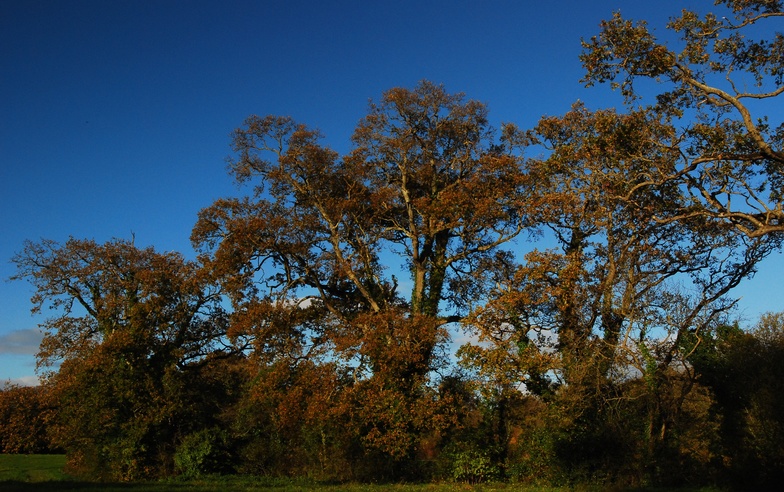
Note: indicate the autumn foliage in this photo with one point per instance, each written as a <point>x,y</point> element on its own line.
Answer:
<point>448,300</point>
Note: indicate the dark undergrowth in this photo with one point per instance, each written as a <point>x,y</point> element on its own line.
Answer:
<point>32,473</point>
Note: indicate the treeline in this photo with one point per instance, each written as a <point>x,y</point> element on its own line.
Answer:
<point>587,265</point>
<point>720,422</point>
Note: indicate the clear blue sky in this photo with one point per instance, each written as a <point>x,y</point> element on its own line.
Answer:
<point>115,115</point>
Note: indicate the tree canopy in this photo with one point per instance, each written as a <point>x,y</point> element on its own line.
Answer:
<point>715,83</point>
<point>309,260</point>
<point>448,299</point>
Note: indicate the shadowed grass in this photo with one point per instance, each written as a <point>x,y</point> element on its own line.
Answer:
<point>32,467</point>
<point>33,473</point>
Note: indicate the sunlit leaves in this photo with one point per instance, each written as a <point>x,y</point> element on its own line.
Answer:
<point>129,324</point>
<point>711,82</point>
<point>26,416</point>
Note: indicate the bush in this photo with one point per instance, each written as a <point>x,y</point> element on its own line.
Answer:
<point>201,452</point>
<point>474,467</point>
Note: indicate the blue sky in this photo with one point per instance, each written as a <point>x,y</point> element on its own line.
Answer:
<point>115,115</point>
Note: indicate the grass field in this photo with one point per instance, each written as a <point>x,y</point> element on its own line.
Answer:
<point>28,473</point>
<point>32,467</point>
<point>44,473</point>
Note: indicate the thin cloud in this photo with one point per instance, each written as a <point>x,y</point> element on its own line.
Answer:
<point>21,342</point>
<point>22,381</point>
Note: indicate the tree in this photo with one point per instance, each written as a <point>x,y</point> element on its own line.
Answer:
<point>743,369</point>
<point>131,324</point>
<point>308,259</point>
<point>608,294</point>
<point>605,287</point>
<point>719,84</point>
<point>26,414</point>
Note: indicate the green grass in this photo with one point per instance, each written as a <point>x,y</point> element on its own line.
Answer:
<point>33,473</point>
<point>32,467</point>
<point>29,473</point>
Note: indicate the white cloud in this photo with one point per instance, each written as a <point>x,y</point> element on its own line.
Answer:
<point>21,342</point>
<point>22,381</point>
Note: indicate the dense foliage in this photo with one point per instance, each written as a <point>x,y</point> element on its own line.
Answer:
<point>589,262</point>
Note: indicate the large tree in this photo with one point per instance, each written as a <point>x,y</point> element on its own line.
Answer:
<point>130,327</point>
<point>618,291</point>
<point>717,78</point>
<point>312,259</point>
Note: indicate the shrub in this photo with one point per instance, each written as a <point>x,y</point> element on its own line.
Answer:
<point>201,452</point>
<point>474,467</point>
